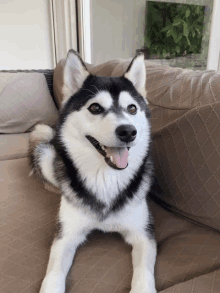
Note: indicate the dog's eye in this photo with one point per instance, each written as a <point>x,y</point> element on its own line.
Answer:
<point>132,109</point>
<point>95,108</point>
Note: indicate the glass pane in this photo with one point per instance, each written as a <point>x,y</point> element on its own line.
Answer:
<point>177,32</point>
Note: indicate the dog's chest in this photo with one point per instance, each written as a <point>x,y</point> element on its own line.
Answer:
<point>133,216</point>
<point>107,186</point>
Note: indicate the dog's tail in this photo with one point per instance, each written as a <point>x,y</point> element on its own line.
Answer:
<point>41,155</point>
<point>41,133</point>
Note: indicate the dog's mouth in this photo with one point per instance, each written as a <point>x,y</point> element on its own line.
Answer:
<point>115,157</point>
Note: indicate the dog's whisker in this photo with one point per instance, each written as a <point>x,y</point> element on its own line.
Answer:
<point>90,96</point>
<point>95,88</point>
<point>89,91</point>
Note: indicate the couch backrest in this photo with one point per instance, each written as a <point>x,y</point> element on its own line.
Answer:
<point>48,73</point>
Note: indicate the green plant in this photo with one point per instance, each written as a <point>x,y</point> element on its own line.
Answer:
<point>174,29</point>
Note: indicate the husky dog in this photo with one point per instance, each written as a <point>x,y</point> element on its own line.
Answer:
<point>99,158</point>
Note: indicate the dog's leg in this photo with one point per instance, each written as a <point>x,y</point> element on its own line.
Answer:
<point>143,259</point>
<point>73,232</point>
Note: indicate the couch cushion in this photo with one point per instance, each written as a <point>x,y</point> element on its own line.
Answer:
<point>208,283</point>
<point>13,146</point>
<point>185,251</point>
<point>25,101</point>
<point>103,264</point>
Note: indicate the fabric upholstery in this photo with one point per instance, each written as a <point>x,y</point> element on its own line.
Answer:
<point>48,73</point>
<point>25,101</point>
<point>13,146</point>
<point>186,140</point>
<point>185,251</point>
<point>208,283</point>
<point>58,82</point>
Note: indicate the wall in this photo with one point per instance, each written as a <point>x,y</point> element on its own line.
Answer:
<point>117,28</point>
<point>25,35</point>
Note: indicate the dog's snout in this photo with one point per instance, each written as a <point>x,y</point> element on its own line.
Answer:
<point>126,132</point>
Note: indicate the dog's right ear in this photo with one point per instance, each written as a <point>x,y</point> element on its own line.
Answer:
<point>136,73</point>
<point>74,75</point>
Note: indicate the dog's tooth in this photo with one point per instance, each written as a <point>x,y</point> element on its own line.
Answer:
<point>103,148</point>
<point>111,158</point>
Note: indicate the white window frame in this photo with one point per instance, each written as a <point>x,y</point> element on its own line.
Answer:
<point>213,62</point>
<point>64,16</point>
<point>64,27</point>
<point>84,23</point>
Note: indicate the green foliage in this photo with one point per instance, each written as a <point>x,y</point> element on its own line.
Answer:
<point>174,29</point>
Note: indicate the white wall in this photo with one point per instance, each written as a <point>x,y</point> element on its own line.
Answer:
<point>117,28</point>
<point>25,35</point>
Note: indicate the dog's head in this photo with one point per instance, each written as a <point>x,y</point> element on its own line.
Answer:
<point>109,114</point>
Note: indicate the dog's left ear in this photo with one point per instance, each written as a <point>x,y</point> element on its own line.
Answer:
<point>136,73</point>
<point>74,75</point>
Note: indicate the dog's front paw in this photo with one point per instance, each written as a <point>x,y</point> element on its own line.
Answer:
<point>143,282</point>
<point>143,290</point>
<point>53,283</point>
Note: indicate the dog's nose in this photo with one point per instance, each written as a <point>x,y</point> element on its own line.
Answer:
<point>126,132</point>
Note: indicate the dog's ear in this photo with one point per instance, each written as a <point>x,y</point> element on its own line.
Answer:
<point>74,75</point>
<point>136,73</point>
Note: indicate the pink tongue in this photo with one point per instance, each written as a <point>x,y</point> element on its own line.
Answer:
<point>119,155</point>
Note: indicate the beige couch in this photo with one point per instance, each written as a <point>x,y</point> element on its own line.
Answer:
<point>185,109</point>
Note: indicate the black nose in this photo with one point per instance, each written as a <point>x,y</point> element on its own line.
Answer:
<point>126,132</point>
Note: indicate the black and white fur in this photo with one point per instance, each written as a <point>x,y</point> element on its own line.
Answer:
<point>94,194</point>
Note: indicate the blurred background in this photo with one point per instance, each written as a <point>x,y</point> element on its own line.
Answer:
<point>179,33</point>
